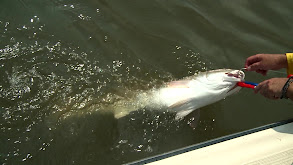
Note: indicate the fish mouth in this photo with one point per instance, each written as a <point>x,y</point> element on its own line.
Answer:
<point>238,74</point>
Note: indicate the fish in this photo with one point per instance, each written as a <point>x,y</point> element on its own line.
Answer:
<point>191,93</point>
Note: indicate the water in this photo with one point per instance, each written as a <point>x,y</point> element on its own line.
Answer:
<point>68,67</point>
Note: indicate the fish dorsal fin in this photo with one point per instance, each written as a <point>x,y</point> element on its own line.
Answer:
<point>179,84</point>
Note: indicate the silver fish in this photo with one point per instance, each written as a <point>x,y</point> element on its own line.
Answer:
<point>189,94</point>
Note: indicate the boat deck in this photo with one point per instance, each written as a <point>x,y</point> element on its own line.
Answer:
<point>270,144</point>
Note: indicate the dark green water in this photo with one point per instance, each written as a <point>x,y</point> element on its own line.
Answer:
<point>68,66</point>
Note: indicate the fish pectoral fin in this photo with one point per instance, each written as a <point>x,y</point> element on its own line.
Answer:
<point>179,104</point>
<point>183,108</point>
<point>180,115</point>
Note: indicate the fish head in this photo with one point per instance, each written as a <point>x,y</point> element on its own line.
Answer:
<point>225,81</point>
<point>231,79</point>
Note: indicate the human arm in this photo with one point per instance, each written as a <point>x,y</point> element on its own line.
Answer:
<point>272,88</point>
<point>261,63</point>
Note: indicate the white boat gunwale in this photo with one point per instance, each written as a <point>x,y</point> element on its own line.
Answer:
<point>209,143</point>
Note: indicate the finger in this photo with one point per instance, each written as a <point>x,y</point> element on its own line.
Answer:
<point>258,87</point>
<point>272,97</point>
<point>252,59</point>
<point>261,87</point>
<point>264,90</point>
<point>265,93</point>
<point>275,97</point>
<point>255,66</point>
<point>263,72</point>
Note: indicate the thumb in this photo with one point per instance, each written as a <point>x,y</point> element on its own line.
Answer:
<point>257,88</point>
<point>254,67</point>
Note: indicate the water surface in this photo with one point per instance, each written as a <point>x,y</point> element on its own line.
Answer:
<point>69,67</point>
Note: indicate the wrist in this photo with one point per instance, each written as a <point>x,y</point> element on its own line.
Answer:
<point>287,89</point>
<point>290,92</point>
<point>283,61</point>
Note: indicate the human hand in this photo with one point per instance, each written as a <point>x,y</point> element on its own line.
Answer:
<point>271,88</point>
<point>261,63</point>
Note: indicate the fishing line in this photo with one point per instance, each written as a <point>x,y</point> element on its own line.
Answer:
<point>240,70</point>
<point>268,71</point>
<point>277,72</point>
